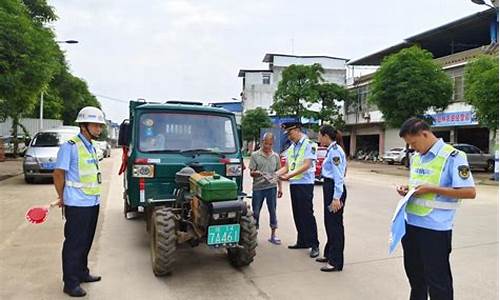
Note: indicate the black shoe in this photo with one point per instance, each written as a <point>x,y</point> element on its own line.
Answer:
<point>91,278</point>
<point>297,246</point>
<point>75,292</point>
<point>314,252</point>
<point>329,268</point>
<point>322,259</point>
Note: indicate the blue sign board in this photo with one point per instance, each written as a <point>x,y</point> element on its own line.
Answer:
<point>458,118</point>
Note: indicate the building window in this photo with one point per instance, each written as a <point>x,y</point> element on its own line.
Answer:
<point>458,88</point>
<point>266,78</point>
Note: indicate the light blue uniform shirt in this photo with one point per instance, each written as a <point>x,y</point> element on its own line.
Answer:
<point>67,160</point>
<point>310,153</point>
<point>442,219</point>
<point>334,168</point>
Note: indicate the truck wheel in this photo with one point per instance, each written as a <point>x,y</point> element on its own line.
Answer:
<point>29,179</point>
<point>248,240</point>
<point>491,166</point>
<point>162,241</point>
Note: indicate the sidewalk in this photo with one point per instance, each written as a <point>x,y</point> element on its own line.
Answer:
<point>480,177</point>
<point>11,167</point>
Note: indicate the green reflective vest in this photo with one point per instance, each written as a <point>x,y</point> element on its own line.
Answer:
<point>428,173</point>
<point>88,170</point>
<point>296,160</point>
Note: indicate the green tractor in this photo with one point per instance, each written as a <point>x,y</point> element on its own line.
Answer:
<point>183,172</point>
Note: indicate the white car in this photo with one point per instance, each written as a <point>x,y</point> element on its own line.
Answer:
<point>41,156</point>
<point>396,155</point>
<point>8,146</point>
<point>104,146</point>
<point>100,153</point>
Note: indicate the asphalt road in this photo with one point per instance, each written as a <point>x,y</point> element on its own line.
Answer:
<point>30,262</point>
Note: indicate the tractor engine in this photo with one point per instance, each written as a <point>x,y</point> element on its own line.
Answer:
<point>207,199</point>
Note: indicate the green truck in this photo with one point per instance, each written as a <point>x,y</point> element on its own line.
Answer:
<point>183,173</point>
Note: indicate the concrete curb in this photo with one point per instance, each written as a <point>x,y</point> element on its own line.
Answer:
<point>5,177</point>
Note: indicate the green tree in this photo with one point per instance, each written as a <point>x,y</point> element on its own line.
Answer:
<point>65,94</point>
<point>64,97</point>
<point>27,62</point>
<point>302,92</point>
<point>251,123</point>
<point>407,84</point>
<point>39,11</point>
<point>330,96</point>
<point>481,89</point>
<point>75,94</point>
<point>297,90</point>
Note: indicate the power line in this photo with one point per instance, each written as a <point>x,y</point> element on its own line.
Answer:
<point>111,98</point>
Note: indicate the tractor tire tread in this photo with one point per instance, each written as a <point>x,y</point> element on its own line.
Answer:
<point>164,224</point>
<point>240,257</point>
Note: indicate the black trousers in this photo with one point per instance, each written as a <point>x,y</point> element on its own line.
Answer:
<point>303,214</point>
<point>334,225</point>
<point>79,231</point>
<point>427,263</point>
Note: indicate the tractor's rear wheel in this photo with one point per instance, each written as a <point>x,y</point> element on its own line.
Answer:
<point>162,241</point>
<point>248,241</point>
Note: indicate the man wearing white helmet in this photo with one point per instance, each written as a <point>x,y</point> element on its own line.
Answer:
<point>77,180</point>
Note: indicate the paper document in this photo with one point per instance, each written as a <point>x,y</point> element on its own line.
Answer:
<point>398,225</point>
<point>270,177</point>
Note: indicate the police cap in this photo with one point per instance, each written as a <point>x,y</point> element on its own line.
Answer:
<point>290,125</point>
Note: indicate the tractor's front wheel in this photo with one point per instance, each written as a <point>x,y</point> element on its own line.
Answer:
<point>245,254</point>
<point>162,240</point>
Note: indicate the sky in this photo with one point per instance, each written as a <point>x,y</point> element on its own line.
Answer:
<point>162,50</point>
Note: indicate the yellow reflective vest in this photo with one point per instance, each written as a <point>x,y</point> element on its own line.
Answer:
<point>430,173</point>
<point>88,170</point>
<point>296,160</point>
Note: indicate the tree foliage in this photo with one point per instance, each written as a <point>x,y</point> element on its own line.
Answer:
<point>40,11</point>
<point>297,90</point>
<point>330,95</point>
<point>302,92</point>
<point>481,89</point>
<point>252,121</point>
<point>31,62</point>
<point>27,61</point>
<point>407,84</point>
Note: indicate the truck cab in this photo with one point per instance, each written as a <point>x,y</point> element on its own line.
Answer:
<point>164,138</point>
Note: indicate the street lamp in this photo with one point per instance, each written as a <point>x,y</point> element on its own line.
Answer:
<point>493,24</point>
<point>41,94</point>
<point>67,42</point>
<point>481,2</point>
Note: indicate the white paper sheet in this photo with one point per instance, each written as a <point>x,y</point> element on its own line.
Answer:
<point>403,202</point>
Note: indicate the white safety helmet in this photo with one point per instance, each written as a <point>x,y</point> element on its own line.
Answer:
<point>90,114</point>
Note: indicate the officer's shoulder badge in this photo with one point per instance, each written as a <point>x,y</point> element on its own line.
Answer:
<point>454,153</point>
<point>336,160</point>
<point>464,171</point>
<point>314,146</point>
<point>71,142</point>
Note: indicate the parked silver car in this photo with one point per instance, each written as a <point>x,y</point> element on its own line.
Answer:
<point>395,155</point>
<point>40,158</point>
<point>8,145</point>
<point>477,158</point>
<point>104,146</point>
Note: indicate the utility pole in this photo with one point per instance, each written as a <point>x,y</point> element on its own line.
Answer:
<point>41,94</point>
<point>41,110</point>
